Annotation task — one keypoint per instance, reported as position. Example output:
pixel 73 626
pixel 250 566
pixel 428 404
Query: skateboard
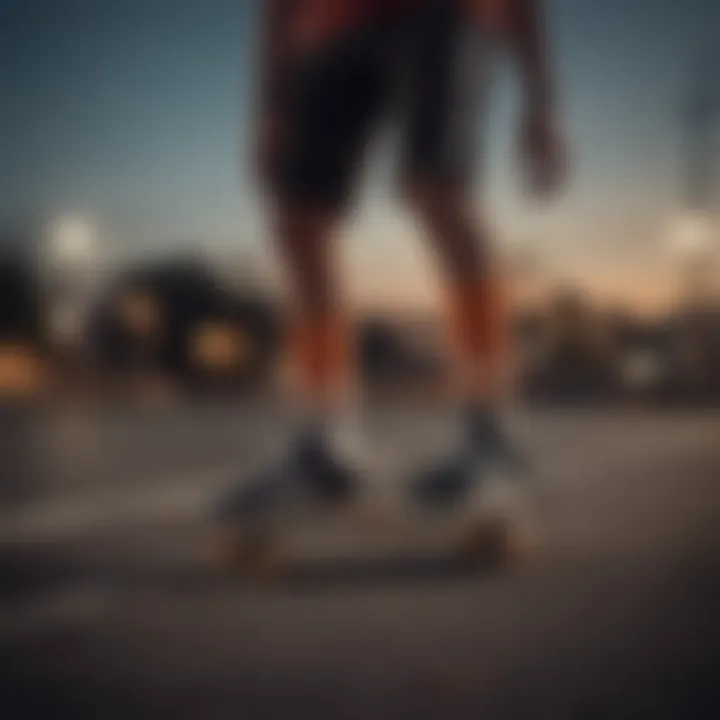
pixel 493 526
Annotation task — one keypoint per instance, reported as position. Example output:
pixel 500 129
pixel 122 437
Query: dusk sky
pixel 137 114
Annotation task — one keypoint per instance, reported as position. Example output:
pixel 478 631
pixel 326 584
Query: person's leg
pixel 319 337
pixel 474 299
pixel 478 324
pixel 339 96
pixel 449 56
pixel 335 96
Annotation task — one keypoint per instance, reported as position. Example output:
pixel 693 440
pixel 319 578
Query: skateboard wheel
pixel 486 543
pixel 252 556
pixel 522 544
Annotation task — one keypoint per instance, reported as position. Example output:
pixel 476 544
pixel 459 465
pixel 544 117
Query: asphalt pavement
pixel 109 609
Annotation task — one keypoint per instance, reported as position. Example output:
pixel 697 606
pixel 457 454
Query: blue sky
pixel 137 112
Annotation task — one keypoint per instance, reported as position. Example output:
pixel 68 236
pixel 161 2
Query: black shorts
pixel 426 73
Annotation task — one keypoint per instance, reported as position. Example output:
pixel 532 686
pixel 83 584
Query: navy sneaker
pixel 487 438
pixel 308 476
pixel 486 451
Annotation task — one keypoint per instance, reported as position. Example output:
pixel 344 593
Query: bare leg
pixel 319 337
pixel 476 309
pixel 479 337
pixel 318 354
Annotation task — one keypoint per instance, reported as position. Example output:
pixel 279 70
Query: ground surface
pixel 108 610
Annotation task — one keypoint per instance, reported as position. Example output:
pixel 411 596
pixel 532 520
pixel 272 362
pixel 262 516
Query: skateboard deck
pixel 493 526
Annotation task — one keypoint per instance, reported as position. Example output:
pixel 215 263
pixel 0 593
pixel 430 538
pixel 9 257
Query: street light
pixel 72 242
pixel 70 261
pixel 690 243
pixel 690 235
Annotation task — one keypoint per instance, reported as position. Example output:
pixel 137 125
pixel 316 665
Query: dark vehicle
pixel 578 363
pixel 175 318
pixel 23 366
pixel 20 311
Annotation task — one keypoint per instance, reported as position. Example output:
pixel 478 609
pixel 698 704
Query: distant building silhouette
pixel 175 317
pixel 20 302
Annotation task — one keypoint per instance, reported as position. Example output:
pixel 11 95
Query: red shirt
pixel 322 18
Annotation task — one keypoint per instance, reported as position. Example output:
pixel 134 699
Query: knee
pixel 446 215
pixel 438 205
pixel 422 198
pixel 303 239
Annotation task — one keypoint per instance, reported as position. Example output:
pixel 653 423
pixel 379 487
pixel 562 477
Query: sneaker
pixel 308 476
pixel 487 452
pixel 488 438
